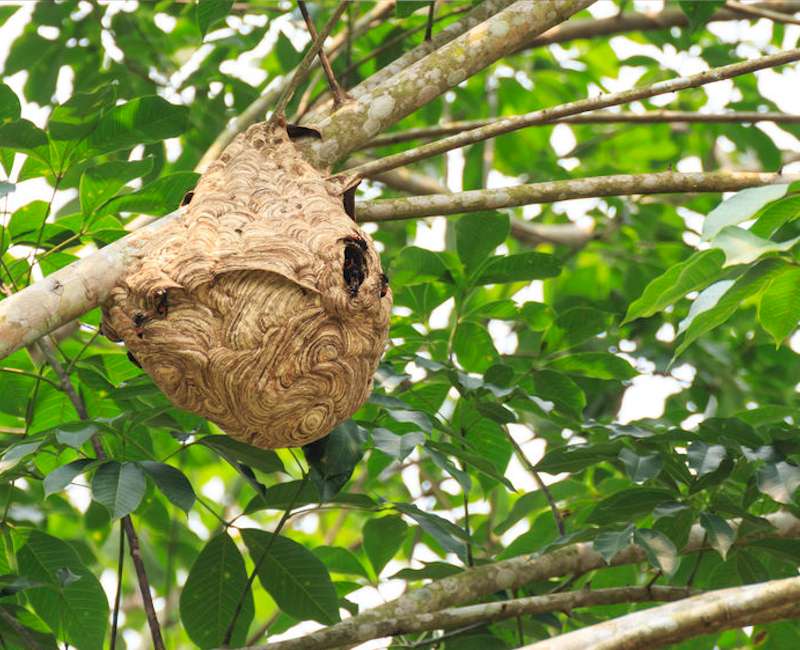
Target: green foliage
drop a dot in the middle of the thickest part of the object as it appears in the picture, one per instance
(429, 476)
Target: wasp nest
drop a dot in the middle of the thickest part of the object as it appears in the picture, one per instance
(263, 306)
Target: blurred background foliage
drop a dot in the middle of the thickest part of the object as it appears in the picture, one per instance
(506, 364)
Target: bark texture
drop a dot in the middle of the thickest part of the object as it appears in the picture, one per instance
(263, 307)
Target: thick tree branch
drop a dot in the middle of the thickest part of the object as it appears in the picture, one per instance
(357, 122)
(672, 16)
(507, 197)
(595, 117)
(498, 611)
(710, 612)
(472, 584)
(508, 124)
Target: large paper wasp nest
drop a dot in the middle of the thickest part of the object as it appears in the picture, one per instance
(263, 306)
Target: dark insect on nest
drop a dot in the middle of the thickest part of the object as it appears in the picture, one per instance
(262, 307)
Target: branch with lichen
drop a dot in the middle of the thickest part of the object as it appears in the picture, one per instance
(714, 611)
(484, 613)
(580, 188)
(623, 23)
(509, 124)
(471, 584)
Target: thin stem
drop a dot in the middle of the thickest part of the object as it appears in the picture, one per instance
(429, 24)
(25, 373)
(509, 124)
(339, 96)
(762, 12)
(304, 65)
(539, 482)
(118, 596)
(251, 578)
(595, 117)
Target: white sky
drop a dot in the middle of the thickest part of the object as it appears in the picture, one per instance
(647, 393)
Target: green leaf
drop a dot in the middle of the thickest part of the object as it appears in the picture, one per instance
(742, 205)
(779, 480)
(333, 458)
(704, 458)
(264, 460)
(61, 477)
(776, 215)
(478, 234)
(27, 221)
(25, 136)
(139, 121)
(102, 182)
(383, 536)
(79, 608)
(628, 505)
(405, 8)
(559, 389)
(119, 487)
(216, 585)
(9, 105)
(395, 445)
(172, 482)
(79, 115)
(158, 198)
(76, 434)
(282, 496)
(779, 306)
(208, 12)
(690, 275)
(753, 281)
(521, 267)
(610, 543)
(600, 365)
(573, 458)
(474, 347)
(449, 536)
(414, 265)
(719, 532)
(658, 548)
(575, 326)
(641, 468)
(293, 576)
(340, 560)
(743, 247)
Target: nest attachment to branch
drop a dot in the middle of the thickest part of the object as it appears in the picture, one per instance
(263, 306)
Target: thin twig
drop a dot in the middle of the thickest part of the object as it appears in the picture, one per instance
(429, 24)
(762, 12)
(509, 124)
(595, 117)
(304, 65)
(251, 578)
(33, 375)
(339, 96)
(118, 596)
(539, 482)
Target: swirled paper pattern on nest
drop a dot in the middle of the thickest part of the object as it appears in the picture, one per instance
(263, 306)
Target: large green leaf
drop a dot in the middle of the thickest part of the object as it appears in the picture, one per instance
(743, 247)
(26, 137)
(779, 480)
(478, 234)
(414, 265)
(209, 12)
(628, 505)
(600, 365)
(78, 607)
(61, 477)
(294, 577)
(521, 267)
(100, 183)
(383, 536)
(742, 205)
(719, 532)
(333, 458)
(119, 487)
(474, 347)
(692, 274)
(172, 482)
(264, 460)
(779, 306)
(642, 467)
(9, 105)
(158, 198)
(658, 548)
(216, 588)
(139, 121)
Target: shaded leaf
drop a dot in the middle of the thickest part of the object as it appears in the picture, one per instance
(119, 487)
(658, 548)
(744, 204)
(383, 536)
(719, 532)
(172, 482)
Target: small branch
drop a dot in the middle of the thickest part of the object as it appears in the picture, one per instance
(539, 482)
(509, 124)
(48, 351)
(671, 16)
(596, 117)
(507, 197)
(471, 584)
(762, 12)
(118, 596)
(429, 24)
(302, 68)
(710, 612)
(339, 96)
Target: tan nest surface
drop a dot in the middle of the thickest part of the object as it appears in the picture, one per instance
(263, 306)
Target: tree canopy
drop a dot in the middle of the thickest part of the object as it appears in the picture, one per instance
(584, 430)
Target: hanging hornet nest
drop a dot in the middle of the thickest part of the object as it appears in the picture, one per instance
(262, 307)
